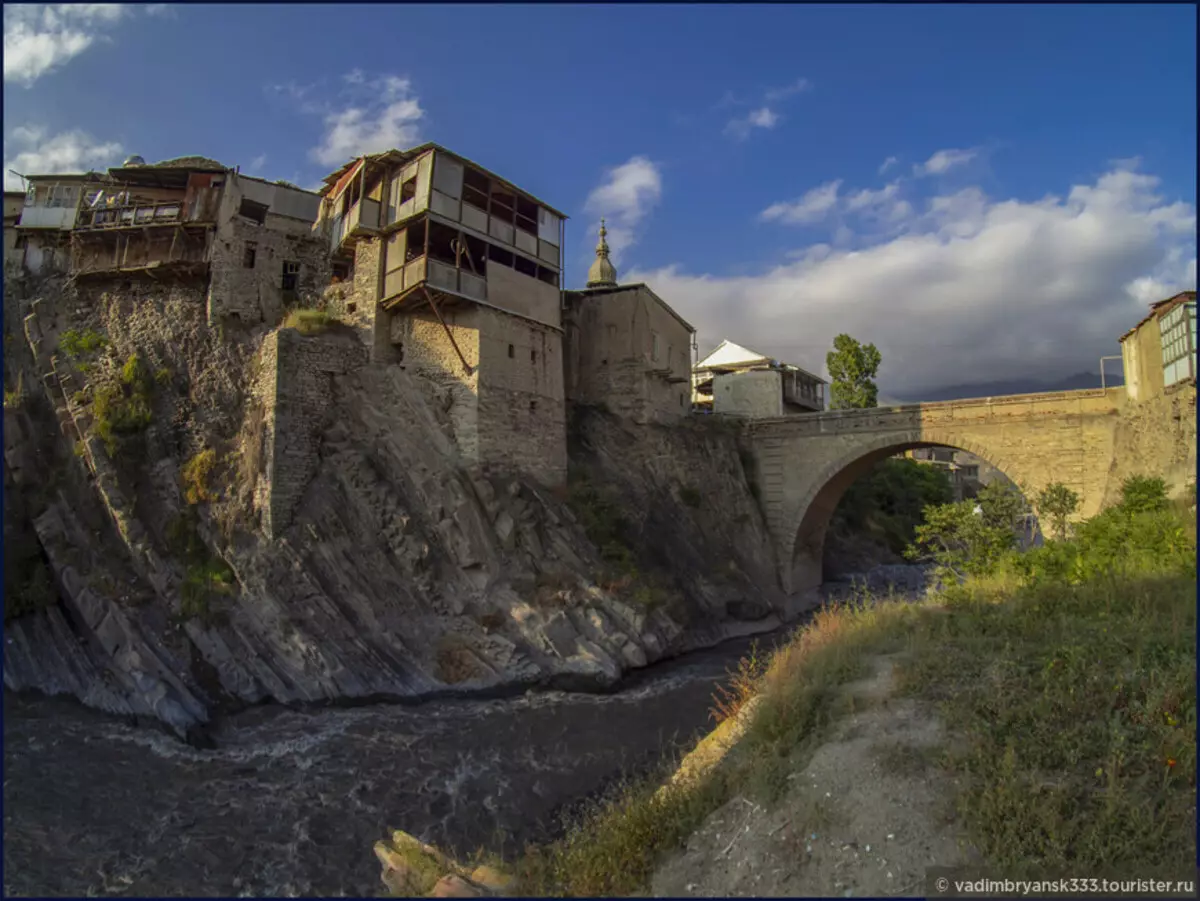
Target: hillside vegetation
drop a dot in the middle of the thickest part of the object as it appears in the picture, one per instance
(1067, 675)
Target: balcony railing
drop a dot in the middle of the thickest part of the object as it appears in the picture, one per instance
(133, 215)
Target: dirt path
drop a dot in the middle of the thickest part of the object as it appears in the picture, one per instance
(866, 817)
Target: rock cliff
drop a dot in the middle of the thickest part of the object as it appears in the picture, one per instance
(135, 474)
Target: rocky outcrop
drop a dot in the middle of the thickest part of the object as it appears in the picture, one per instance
(401, 571)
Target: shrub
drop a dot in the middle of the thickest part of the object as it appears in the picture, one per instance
(1143, 494)
(1056, 503)
(196, 473)
(206, 576)
(76, 344)
(14, 397)
(122, 408)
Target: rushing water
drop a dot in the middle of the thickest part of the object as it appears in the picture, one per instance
(290, 802)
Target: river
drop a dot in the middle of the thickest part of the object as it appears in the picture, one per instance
(290, 802)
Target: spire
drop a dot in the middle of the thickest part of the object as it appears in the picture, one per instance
(602, 274)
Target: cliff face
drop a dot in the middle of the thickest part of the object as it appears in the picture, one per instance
(138, 466)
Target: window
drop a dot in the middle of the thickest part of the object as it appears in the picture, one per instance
(408, 189)
(475, 188)
(533, 356)
(511, 352)
(291, 275)
(525, 266)
(341, 272)
(255, 212)
(527, 214)
(549, 276)
(351, 307)
(654, 345)
(248, 254)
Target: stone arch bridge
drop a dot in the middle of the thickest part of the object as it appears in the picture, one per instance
(804, 463)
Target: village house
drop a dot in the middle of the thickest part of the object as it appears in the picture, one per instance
(1159, 353)
(626, 349)
(14, 202)
(189, 218)
(735, 381)
(454, 273)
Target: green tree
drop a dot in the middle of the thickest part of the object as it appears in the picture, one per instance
(1143, 494)
(1056, 503)
(970, 537)
(852, 367)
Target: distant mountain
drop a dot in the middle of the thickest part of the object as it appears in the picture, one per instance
(1075, 382)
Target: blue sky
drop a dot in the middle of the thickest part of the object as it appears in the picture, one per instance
(984, 192)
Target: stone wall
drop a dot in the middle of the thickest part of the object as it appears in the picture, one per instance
(1141, 359)
(296, 388)
(507, 410)
(753, 395)
(610, 355)
(254, 293)
(1156, 437)
(805, 463)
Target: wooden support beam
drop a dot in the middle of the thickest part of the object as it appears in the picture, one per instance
(449, 334)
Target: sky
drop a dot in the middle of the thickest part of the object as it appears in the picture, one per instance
(983, 192)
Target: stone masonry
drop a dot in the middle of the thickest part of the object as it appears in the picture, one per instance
(295, 387)
(805, 463)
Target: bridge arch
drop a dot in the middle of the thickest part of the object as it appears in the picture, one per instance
(804, 530)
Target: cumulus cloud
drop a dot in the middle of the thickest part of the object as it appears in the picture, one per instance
(40, 38)
(625, 197)
(975, 288)
(763, 117)
(943, 161)
(33, 153)
(813, 207)
(386, 113)
(887, 164)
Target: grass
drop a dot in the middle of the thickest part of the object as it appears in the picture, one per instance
(1075, 704)
(309, 322)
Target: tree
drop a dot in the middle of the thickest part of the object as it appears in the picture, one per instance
(970, 537)
(852, 367)
(1056, 503)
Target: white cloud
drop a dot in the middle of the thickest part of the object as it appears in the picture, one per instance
(813, 207)
(32, 153)
(39, 38)
(887, 164)
(763, 117)
(386, 114)
(943, 161)
(627, 194)
(799, 86)
(257, 164)
(975, 289)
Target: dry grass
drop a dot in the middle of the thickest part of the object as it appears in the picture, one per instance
(1075, 705)
(309, 322)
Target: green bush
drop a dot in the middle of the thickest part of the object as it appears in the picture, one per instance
(76, 344)
(1056, 504)
(960, 542)
(123, 408)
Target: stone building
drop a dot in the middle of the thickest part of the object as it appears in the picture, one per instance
(248, 240)
(47, 216)
(1159, 353)
(454, 273)
(14, 202)
(626, 349)
(735, 381)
